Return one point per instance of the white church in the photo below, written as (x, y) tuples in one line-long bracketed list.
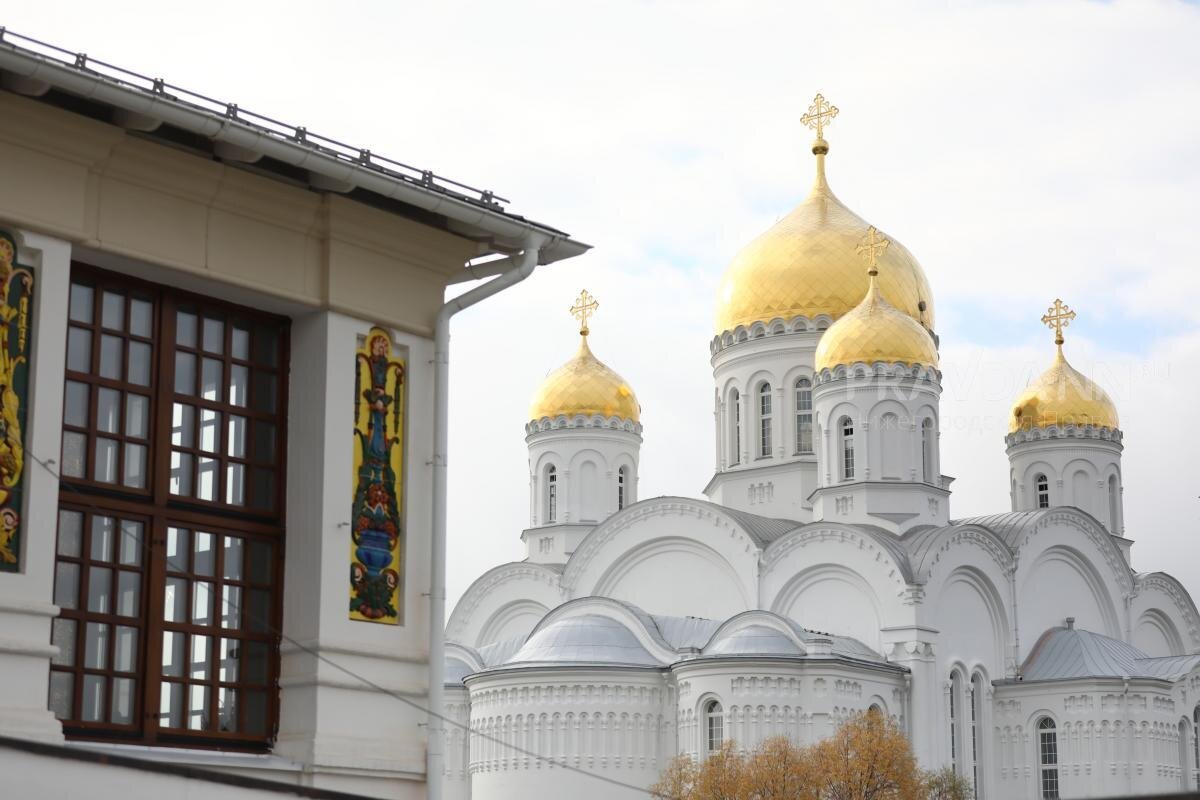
[(823, 573)]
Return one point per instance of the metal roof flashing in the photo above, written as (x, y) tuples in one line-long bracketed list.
[(284, 152)]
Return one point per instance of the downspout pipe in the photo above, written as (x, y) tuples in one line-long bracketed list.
[(523, 266)]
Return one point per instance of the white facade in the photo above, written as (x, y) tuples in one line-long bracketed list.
[(673, 624)]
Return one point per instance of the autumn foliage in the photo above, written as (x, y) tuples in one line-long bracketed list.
[(867, 758)]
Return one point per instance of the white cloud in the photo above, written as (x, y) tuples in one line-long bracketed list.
[(1021, 150)]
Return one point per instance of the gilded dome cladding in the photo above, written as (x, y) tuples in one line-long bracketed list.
[(874, 330), (806, 265), (585, 386), (1062, 396)]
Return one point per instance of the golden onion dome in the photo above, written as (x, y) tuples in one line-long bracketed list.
[(585, 385), (875, 330), (1062, 395), (805, 265)]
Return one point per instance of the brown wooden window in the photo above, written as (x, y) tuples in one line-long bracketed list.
[(170, 528)]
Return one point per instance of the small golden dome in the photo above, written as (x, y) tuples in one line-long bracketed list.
[(875, 330), (1062, 395), (585, 385), (805, 265)]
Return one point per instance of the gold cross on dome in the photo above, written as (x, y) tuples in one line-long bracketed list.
[(820, 114), (585, 306), (871, 248), (1058, 316)]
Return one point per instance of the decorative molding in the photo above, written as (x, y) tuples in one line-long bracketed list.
[(578, 421), (488, 582), (601, 535)]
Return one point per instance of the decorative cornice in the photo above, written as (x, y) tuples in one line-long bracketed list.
[(761, 330), (900, 573), (578, 421), (1093, 432), (1171, 587), (595, 541), (897, 371), (486, 583)]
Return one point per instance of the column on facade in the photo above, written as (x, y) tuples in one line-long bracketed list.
[(26, 607)]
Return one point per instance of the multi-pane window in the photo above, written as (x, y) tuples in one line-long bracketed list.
[(847, 436), (714, 725), (764, 420), (551, 493), (1048, 758), (622, 474), (1042, 485), (170, 517), (804, 441), (109, 385)]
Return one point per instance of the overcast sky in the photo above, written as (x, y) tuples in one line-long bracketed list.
[(1022, 151)]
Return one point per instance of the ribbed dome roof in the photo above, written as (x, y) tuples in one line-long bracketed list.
[(875, 330), (585, 385), (1062, 396), (806, 264)]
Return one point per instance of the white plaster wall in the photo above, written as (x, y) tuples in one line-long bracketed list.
[(618, 723), (1078, 465), (1113, 739), (496, 605), (587, 455), (329, 720), (763, 698), (834, 578), (627, 556), (1068, 566), (776, 483)]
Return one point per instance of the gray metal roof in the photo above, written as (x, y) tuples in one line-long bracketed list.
[(1008, 526), (587, 639), (1071, 653), (754, 640), (683, 633)]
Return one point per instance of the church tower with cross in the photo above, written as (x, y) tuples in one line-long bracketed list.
[(822, 575), (1064, 439), (775, 451), (584, 436)]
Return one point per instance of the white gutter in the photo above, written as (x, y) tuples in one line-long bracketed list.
[(238, 134), (522, 266)]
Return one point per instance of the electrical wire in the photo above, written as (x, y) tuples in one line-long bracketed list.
[(144, 543)]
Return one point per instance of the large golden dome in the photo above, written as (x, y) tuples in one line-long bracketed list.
[(1062, 395), (875, 330), (805, 265), (585, 385)]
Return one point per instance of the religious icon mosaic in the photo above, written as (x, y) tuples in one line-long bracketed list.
[(16, 296), (377, 532)]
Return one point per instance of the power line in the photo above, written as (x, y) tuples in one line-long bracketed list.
[(144, 543)]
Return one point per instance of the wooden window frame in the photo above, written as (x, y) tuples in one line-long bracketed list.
[(159, 510)]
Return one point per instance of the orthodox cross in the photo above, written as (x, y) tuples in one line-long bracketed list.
[(872, 248), (585, 306), (1058, 316), (820, 114)]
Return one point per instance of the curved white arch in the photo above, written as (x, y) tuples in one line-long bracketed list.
[(512, 619), (609, 583), (1153, 624), (1075, 561), (788, 599)]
